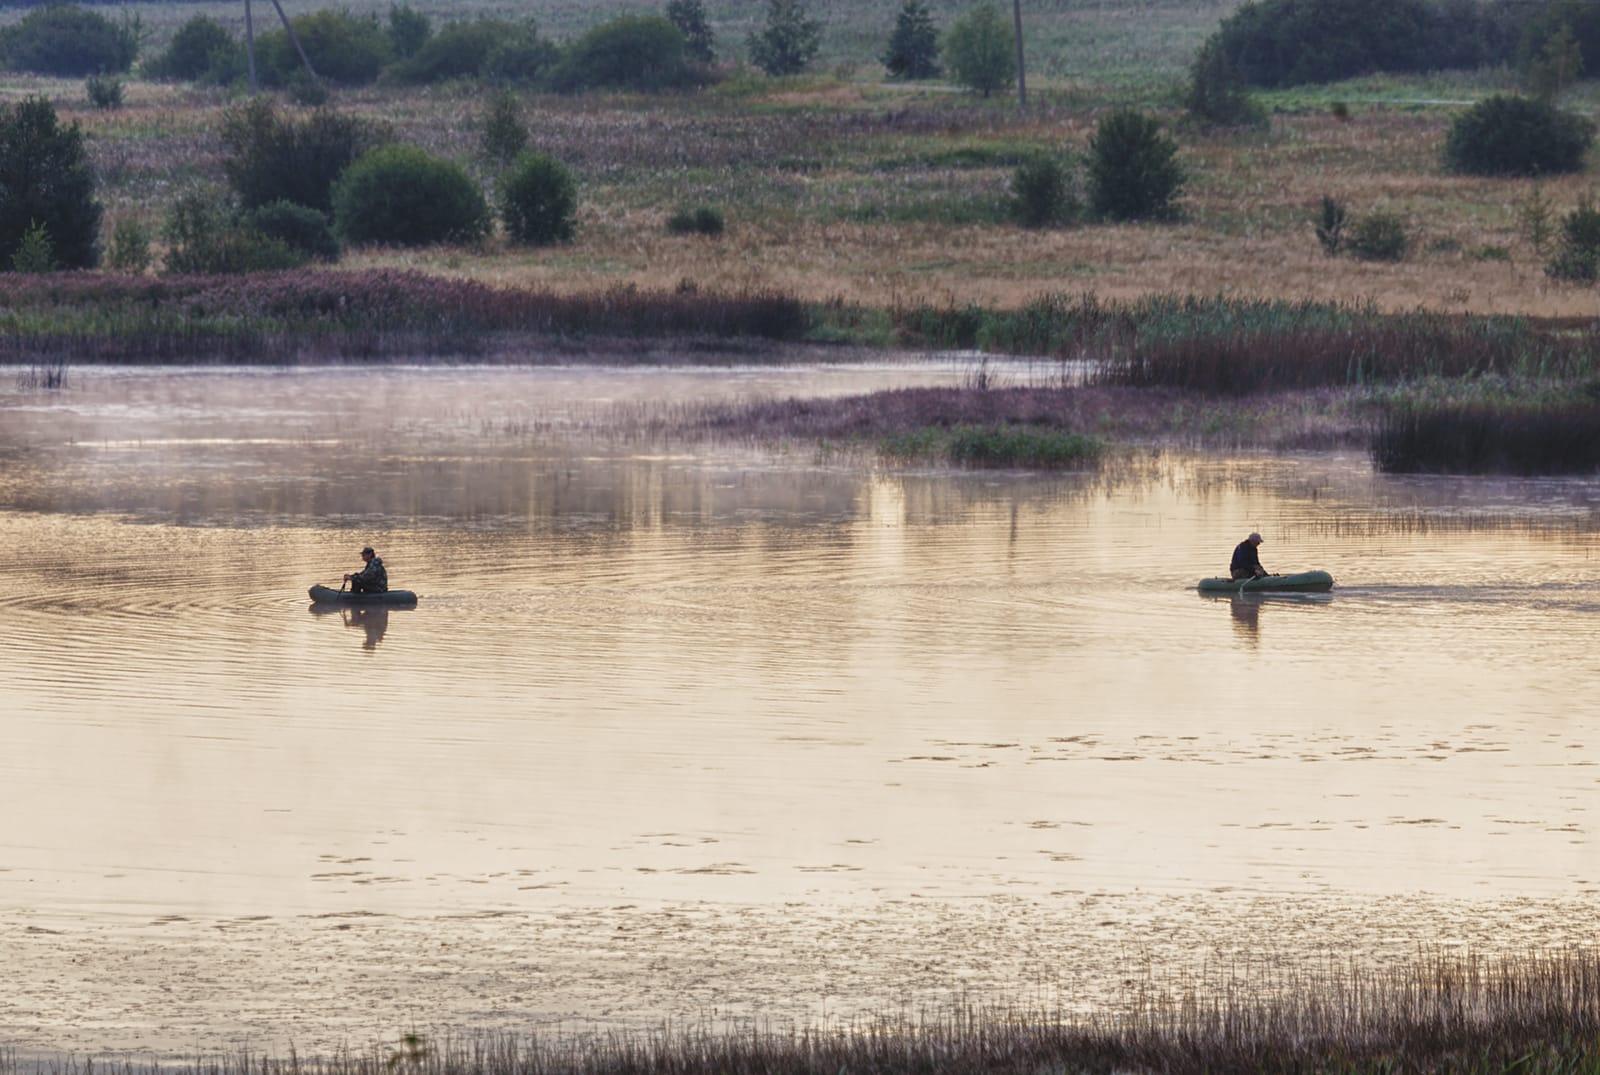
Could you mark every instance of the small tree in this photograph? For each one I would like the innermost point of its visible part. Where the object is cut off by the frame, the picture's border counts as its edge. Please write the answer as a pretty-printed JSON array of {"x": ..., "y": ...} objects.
[
  {"x": 1133, "y": 168},
  {"x": 504, "y": 136},
  {"x": 35, "y": 253},
  {"x": 409, "y": 30},
  {"x": 104, "y": 92},
  {"x": 45, "y": 180},
  {"x": 689, "y": 16},
  {"x": 1330, "y": 225},
  {"x": 913, "y": 51},
  {"x": 129, "y": 249},
  {"x": 981, "y": 50},
  {"x": 205, "y": 234},
  {"x": 1578, "y": 257},
  {"x": 538, "y": 201},
  {"x": 789, "y": 41},
  {"x": 1042, "y": 194},
  {"x": 402, "y": 195},
  {"x": 1558, "y": 66},
  {"x": 1217, "y": 94}
]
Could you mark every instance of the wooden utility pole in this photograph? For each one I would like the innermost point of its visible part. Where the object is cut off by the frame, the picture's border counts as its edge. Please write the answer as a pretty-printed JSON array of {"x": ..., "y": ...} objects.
[
  {"x": 294, "y": 39},
  {"x": 1022, "y": 72},
  {"x": 250, "y": 47}
]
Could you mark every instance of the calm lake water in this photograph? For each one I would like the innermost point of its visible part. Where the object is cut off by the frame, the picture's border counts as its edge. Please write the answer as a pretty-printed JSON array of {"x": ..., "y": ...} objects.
[{"x": 658, "y": 676}]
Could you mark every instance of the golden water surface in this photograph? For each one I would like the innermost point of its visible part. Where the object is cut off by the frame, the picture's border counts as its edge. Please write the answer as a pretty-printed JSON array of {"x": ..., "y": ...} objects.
[{"x": 676, "y": 725}]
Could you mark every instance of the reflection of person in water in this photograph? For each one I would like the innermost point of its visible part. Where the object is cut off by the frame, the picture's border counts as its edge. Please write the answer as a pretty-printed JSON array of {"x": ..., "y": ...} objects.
[
  {"x": 374, "y": 621},
  {"x": 1246, "y": 613}
]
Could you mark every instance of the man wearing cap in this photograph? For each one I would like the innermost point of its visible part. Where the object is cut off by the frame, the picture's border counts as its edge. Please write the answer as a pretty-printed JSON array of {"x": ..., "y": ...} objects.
[
  {"x": 374, "y": 579},
  {"x": 1247, "y": 560}
]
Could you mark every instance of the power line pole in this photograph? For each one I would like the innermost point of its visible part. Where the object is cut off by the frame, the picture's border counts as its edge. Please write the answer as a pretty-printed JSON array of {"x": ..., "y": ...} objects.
[
  {"x": 294, "y": 39},
  {"x": 1022, "y": 72},
  {"x": 250, "y": 47}
]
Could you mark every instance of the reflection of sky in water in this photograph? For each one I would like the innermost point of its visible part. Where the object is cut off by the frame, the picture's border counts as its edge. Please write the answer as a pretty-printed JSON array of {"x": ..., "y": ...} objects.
[{"x": 669, "y": 672}]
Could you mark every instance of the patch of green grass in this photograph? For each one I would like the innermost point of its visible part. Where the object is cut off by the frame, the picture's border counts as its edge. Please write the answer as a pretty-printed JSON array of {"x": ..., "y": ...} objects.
[{"x": 993, "y": 446}]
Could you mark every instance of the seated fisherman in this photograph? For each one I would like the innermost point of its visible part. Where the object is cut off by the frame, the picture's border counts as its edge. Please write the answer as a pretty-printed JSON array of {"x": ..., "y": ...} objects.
[
  {"x": 1247, "y": 560},
  {"x": 372, "y": 578}
]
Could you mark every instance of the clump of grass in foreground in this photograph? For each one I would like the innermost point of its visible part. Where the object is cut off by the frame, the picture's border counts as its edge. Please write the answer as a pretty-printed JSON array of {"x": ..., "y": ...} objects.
[
  {"x": 993, "y": 446},
  {"x": 1489, "y": 438},
  {"x": 1534, "y": 1015}
]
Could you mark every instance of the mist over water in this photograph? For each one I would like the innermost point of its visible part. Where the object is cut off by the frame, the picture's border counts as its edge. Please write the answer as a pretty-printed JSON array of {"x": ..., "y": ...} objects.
[{"x": 659, "y": 675}]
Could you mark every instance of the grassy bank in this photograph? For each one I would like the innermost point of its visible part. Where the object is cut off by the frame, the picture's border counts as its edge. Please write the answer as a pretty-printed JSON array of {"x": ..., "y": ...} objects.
[{"x": 1537, "y": 1015}]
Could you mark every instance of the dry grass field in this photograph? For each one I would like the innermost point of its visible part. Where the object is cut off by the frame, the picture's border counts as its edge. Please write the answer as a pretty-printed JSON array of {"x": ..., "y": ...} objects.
[{"x": 839, "y": 185}]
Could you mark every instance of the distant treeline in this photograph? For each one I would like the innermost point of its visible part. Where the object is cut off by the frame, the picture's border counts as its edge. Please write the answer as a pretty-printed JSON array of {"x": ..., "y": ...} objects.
[{"x": 1276, "y": 43}]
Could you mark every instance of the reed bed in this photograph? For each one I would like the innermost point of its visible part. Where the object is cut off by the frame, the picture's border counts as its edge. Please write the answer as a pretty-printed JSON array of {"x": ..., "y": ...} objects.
[
  {"x": 350, "y": 315},
  {"x": 1537, "y": 1013},
  {"x": 1489, "y": 438},
  {"x": 1231, "y": 347}
]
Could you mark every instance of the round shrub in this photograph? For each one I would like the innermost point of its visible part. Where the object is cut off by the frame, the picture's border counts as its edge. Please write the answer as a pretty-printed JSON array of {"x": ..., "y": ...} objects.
[
  {"x": 633, "y": 52},
  {"x": 538, "y": 200},
  {"x": 400, "y": 194},
  {"x": 300, "y": 229},
  {"x": 1378, "y": 237},
  {"x": 46, "y": 182},
  {"x": 193, "y": 50},
  {"x": 1133, "y": 168},
  {"x": 458, "y": 50},
  {"x": 70, "y": 42},
  {"x": 1505, "y": 135},
  {"x": 276, "y": 157}
]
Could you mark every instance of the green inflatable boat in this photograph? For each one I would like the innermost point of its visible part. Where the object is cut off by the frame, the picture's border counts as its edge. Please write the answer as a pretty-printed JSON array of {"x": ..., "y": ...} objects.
[
  {"x": 1305, "y": 582},
  {"x": 323, "y": 595}
]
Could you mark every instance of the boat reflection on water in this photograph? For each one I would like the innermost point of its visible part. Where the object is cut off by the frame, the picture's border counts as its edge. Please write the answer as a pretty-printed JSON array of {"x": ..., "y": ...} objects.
[
  {"x": 1244, "y": 609},
  {"x": 373, "y": 622}
]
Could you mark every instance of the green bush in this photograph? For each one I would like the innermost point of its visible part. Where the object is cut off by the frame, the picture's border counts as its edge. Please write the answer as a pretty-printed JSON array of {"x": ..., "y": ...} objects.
[
  {"x": 307, "y": 90},
  {"x": 35, "y": 253},
  {"x": 458, "y": 50},
  {"x": 1578, "y": 257},
  {"x": 104, "y": 92},
  {"x": 46, "y": 180},
  {"x": 981, "y": 50},
  {"x": 129, "y": 249},
  {"x": 700, "y": 220},
  {"x": 343, "y": 48},
  {"x": 400, "y": 194},
  {"x": 494, "y": 48},
  {"x": 634, "y": 52},
  {"x": 1378, "y": 237},
  {"x": 193, "y": 51},
  {"x": 70, "y": 42},
  {"x": 297, "y": 227},
  {"x": 538, "y": 200},
  {"x": 205, "y": 234},
  {"x": 1042, "y": 194},
  {"x": 1292, "y": 42},
  {"x": 689, "y": 16},
  {"x": 273, "y": 157},
  {"x": 913, "y": 50},
  {"x": 1217, "y": 95},
  {"x": 1133, "y": 168},
  {"x": 504, "y": 136},
  {"x": 1504, "y": 135},
  {"x": 409, "y": 30},
  {"x": 521, "y": 56},
  {"x": 788, "y": 41}
]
